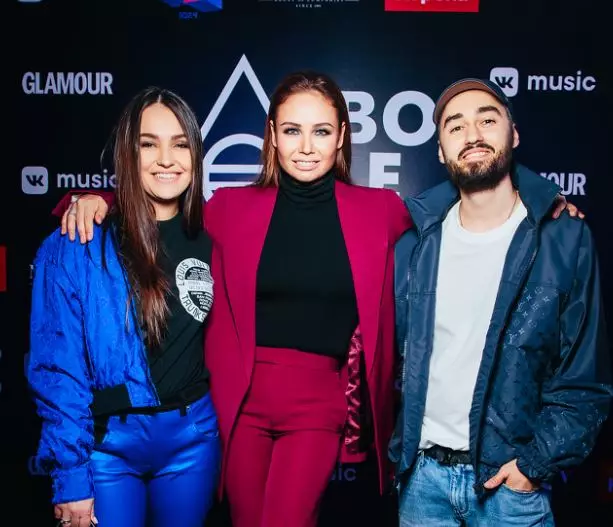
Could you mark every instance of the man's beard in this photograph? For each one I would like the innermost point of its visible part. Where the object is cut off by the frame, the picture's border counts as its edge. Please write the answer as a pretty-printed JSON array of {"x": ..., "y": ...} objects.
[{"x": 485, "y": 175}]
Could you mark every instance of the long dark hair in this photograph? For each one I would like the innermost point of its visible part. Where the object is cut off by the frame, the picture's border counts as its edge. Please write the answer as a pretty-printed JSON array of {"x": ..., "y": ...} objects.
[
  {"x": 299, "y": 82},
  {"x": 133, "y": 217}
]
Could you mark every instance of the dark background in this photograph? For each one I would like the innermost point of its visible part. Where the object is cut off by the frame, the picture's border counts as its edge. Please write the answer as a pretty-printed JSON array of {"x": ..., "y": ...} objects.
[{"x": 366, "y": 49}]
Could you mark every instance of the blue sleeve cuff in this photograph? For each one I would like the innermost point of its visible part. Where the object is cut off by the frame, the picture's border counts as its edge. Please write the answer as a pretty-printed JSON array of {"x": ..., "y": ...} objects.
[
  {"x": 533, "y": 468},
  {"x": 73, "y": 485}
]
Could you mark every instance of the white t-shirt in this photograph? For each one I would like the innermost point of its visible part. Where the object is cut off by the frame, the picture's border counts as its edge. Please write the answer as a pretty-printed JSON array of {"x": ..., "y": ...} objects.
[{"x": 469, "y": 273}]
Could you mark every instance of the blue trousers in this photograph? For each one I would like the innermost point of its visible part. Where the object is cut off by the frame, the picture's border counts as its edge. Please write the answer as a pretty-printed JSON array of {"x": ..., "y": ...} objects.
[
  {"x": 443, "y": 496},
  {"x": 158, "y": 470}
]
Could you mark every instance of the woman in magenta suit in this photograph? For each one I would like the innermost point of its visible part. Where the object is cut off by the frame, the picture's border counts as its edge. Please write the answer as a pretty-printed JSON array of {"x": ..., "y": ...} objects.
[{"x": 303, "y": 264}]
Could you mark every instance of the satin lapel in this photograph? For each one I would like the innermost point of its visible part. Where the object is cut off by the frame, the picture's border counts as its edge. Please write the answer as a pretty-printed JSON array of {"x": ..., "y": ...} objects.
[
  {"x": 241, "y": 259},
  {"x": 366, "y": 240}
]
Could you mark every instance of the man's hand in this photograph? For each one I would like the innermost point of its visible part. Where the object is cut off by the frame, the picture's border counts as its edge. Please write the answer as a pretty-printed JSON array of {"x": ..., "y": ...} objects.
[
  {"x": 76, "y": 513},
  {"x": 510, "y": 475}
]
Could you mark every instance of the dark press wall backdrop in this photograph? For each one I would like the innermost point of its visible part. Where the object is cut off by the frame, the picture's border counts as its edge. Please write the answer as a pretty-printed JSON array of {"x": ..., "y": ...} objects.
[{"x": 75, "y": 64}]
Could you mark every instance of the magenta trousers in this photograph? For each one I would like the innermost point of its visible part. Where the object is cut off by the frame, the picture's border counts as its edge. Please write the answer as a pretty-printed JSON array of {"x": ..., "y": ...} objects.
[{"x": 286, "y": 440}]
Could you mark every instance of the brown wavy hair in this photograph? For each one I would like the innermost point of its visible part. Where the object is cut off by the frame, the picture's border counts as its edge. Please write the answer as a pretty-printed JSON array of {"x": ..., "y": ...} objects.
[
  {"x": 299, "y": 82},
  {"x": 135, "y": 231}
]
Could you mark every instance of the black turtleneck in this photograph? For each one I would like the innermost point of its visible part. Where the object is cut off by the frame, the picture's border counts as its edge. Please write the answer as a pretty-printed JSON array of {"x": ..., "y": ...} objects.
[{"x": 305, "y": 293}]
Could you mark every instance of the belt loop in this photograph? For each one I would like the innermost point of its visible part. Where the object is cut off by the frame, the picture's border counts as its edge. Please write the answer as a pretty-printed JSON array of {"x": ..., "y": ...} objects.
[
  {"x": 101, "y": 428},
  {"x": 183, "y": 409},
  {"x": 123, "y": 418}
]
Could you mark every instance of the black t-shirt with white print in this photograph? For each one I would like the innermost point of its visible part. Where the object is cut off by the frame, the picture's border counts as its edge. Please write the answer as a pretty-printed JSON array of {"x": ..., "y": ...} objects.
[{"x": 177, "y": 366}]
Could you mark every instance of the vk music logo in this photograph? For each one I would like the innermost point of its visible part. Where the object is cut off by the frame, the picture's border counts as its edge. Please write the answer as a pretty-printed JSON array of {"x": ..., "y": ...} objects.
[
  {"x": 34, "y": 180},
  {"x": 507, "y": 79},
  {"x": 199, "y": 5}
]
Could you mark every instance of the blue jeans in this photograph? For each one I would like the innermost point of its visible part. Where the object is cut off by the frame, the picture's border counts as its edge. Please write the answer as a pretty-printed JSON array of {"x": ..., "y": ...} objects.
[
  {"x": 443, "y": 496},
  {"x": 158, "y": 470}
]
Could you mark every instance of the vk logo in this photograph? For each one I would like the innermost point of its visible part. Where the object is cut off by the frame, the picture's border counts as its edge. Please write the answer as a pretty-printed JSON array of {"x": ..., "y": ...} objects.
[
  {"x": 507, "y": 79},
  {"x": 34, "y": 180},
  {"x": 199, "y": 5}
]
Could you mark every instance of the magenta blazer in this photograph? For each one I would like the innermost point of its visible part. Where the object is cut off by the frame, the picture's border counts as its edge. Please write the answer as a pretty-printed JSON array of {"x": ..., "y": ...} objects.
[{"x": 237, "y": 219}]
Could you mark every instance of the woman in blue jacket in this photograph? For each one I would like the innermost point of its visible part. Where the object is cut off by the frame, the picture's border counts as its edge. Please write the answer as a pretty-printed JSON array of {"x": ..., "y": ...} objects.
[{"x": 116, "y": 365}]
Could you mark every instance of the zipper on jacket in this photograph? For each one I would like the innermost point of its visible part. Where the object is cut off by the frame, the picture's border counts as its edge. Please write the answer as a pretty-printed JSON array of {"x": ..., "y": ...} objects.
[
  {"x": 421, "y": 236},
  {"x": 415, "y": 254},
  {"x": 488, "y": 380},
  {"x": 405, "y": 344}
]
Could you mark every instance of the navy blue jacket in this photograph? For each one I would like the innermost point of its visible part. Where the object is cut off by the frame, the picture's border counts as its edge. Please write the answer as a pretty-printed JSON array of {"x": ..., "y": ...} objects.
[{"x": 542, "y": 391}]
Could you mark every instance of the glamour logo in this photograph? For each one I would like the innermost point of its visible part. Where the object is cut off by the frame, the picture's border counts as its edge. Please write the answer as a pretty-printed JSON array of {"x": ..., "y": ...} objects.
[
  {"x": 361, "y": 108},
  {"x": 508, "y": 80},
  {"x": 466, "y": 6},
  {"x": 199, "y": 5},
  {"x": 571, "y": 183},
  {"x": 67, "y": 83}
]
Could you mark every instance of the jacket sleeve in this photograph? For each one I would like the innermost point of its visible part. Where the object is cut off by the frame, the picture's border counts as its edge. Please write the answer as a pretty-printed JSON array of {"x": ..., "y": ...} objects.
[
  {"x": 213, "y": 214},
  {"x": 398, "y": 215},
  {"x": 64, "y": 203},
  {"x": 402, "y": 256},
  {"x": 58, "y": 375},
  {"x": 575, "y": 399}
]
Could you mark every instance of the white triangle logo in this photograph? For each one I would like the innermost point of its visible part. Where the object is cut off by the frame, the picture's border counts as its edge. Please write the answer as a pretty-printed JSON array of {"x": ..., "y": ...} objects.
[{"x": 242, "y": 68}]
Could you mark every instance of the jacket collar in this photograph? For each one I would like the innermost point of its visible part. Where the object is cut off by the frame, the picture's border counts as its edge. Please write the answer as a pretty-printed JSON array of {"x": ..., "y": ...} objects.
[{"x": 431, "y": 207}]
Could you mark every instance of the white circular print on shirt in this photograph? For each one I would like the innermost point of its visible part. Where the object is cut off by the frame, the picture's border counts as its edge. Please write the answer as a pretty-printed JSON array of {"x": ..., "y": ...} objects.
[{"x": 195, "y": 286}]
